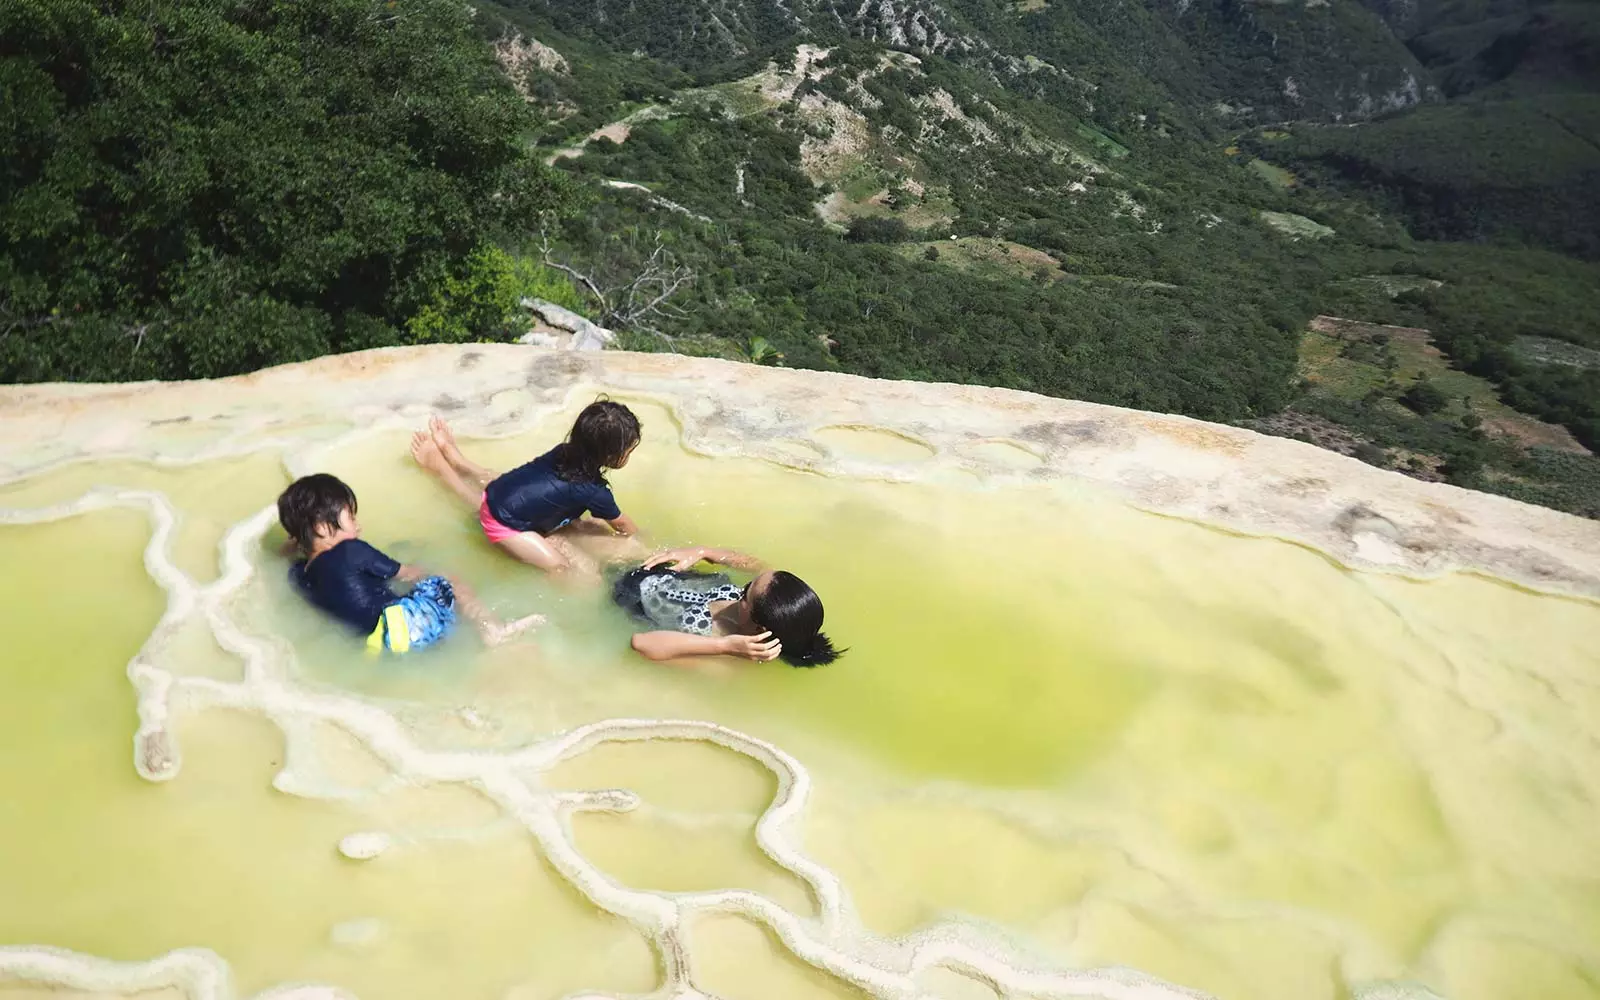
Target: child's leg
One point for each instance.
(493, 630)
(554, 555)
(428, 456)
(446, 440)
(601, 543)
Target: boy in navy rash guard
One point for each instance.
(349, 579)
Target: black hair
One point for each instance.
(601, 437)
(792, 612)
(313, 502)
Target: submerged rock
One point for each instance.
(365, 846)
(361, 933)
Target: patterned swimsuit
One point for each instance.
(675, 602)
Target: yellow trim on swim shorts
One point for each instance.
(392, 623)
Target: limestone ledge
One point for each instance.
(1222, 476)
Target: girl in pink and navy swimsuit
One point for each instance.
(532, 510)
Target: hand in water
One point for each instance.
(679, 559)
(495, 633)
(760, 648)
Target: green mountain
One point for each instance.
(1266, 61)
(1513, 154)
(1150, 201)
(1513, 46)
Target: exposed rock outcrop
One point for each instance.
(564, 329)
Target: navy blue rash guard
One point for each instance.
(349, 581)
(533, 497)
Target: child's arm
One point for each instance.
(602, 506)
(622, 524)
(660, 646)
(410, 573)
(289, 549)
(685, 559)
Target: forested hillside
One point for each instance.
(197, 189)
(1513, 156)
(1144, 204)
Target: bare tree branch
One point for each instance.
(639, 297)
(547, 251)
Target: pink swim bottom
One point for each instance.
(493, 529)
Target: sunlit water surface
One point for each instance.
(1114, 738)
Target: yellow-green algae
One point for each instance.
(1097, 736)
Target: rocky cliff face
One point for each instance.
(1321, 60)
(1275, 60)
(1332, 59)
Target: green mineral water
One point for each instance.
(1094, 736)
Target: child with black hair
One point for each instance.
(349, 579)
(535, 509)
(774, 616)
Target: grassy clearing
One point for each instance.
(1390, 285)
(988, 256)
(936, 211)
(739, 98)
(1544, 351)
(865, 184)
(1296, 226)
(1102, 142)
(865, 192)
(617, 131)
(1274, 175)
(1349, 360)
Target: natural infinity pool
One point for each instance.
(1073, 735)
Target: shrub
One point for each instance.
(199, 188)
(1371, 454)
(484, 300)
(1423, 397)
(874, 229)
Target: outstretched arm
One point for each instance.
(660, 646)
(622, 524)
(684, 559)
(410, 573)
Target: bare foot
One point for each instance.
(495, 633)
(427, 453)
(445, 438)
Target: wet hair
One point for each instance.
(792, 612)
(313, 502)
(600, 438)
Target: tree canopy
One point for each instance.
(198, 188)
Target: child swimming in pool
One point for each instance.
(349, 579)
(775, 616)
(534, 510)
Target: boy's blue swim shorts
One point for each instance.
(417, 620)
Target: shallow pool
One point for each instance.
(1068, 736)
